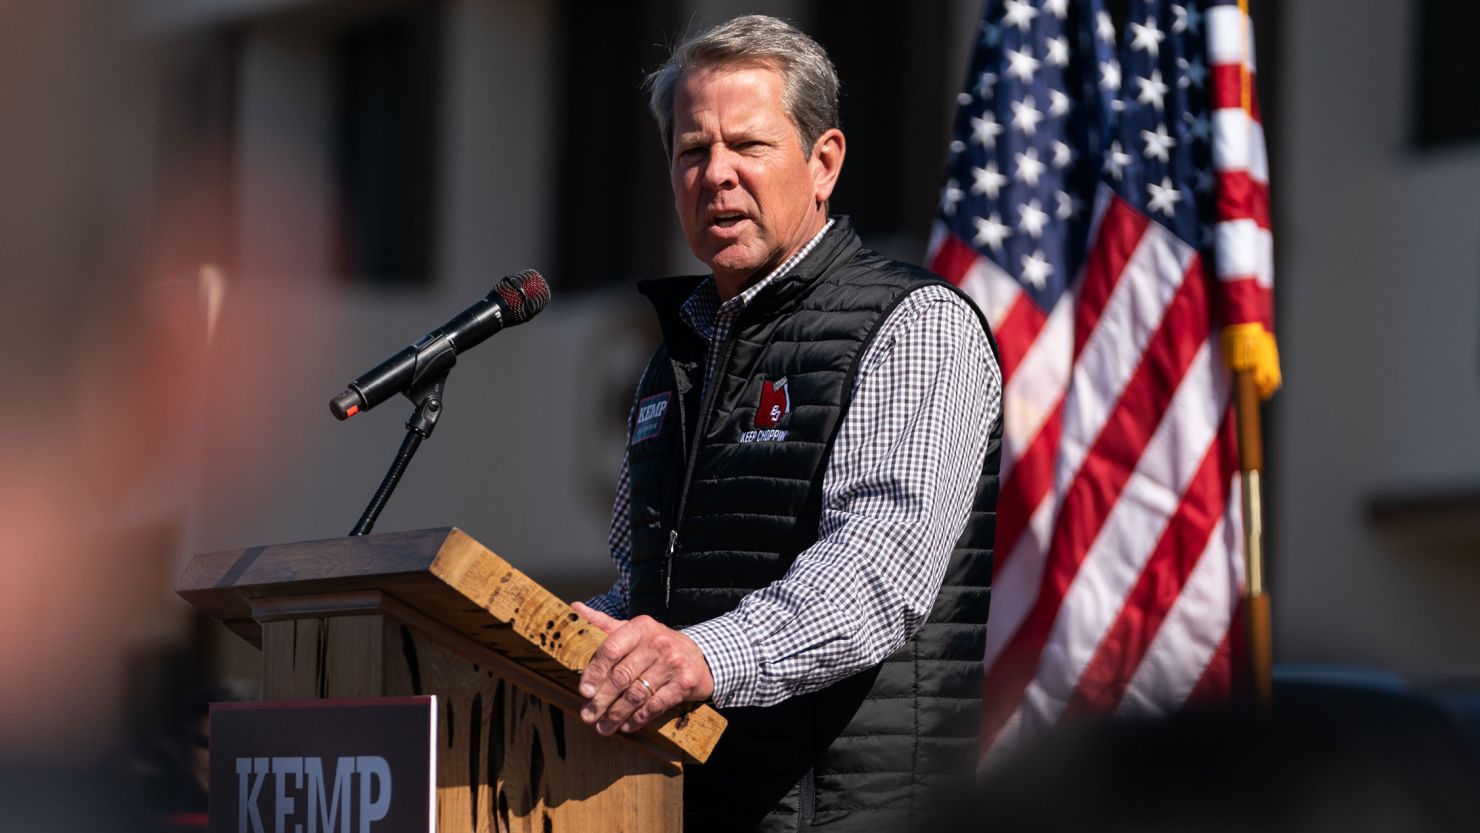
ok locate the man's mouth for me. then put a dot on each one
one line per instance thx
(726, 219)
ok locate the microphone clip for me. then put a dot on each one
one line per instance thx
(428, 399)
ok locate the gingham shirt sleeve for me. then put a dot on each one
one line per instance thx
(896, 493)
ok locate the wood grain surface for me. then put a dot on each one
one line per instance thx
(450, 585)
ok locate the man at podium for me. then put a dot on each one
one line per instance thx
(804, 516)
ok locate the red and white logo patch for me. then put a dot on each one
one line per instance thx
(775, 404)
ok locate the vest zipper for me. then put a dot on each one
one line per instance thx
(705, 406)
(668, 569)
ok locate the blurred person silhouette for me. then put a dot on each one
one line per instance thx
(110, 336)
(171, 771)
(1327, 761)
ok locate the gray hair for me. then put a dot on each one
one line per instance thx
(809, 89)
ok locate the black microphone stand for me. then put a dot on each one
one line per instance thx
(428, 399)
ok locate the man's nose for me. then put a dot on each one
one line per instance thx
(719, 169)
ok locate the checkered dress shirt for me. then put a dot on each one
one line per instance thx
(896, 493)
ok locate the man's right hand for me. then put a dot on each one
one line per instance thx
(642, 670)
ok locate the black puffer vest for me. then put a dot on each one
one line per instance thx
(868, 752)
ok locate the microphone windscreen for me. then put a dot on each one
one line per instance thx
(524, 294)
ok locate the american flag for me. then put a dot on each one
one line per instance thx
(1107, 207)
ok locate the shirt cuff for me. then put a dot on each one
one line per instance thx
(733, 660)
(609, 603)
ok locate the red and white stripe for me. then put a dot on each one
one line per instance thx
(1245, 247)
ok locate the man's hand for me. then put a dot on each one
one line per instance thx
(642, 670)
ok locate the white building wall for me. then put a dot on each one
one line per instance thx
(1378, 302)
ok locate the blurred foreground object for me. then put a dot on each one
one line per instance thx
(116, 318)
(170, 772)
(94, 499)
(1343, 754)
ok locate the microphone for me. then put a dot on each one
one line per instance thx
(513, 300)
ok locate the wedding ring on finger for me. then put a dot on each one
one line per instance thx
(647, 685)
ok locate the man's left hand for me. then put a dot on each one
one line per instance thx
(642, 670)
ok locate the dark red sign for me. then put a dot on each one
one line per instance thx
(324, 766)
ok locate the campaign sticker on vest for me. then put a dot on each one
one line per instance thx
(650, 413)
(775, 403)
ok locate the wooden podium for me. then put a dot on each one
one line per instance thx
(434, 612)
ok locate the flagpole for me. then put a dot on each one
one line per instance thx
(1256, 596)
(1248, 395)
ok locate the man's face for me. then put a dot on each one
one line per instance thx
(747, 195)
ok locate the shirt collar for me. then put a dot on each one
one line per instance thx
(703, 305)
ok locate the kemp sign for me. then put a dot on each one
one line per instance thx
(324, 766)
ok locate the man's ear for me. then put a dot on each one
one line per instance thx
(826, 163)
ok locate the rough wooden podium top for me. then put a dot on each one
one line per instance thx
(448, 577)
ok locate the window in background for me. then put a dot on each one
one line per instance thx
(897, 98)
(384, 144)
(1447, 106)
(614, 211)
